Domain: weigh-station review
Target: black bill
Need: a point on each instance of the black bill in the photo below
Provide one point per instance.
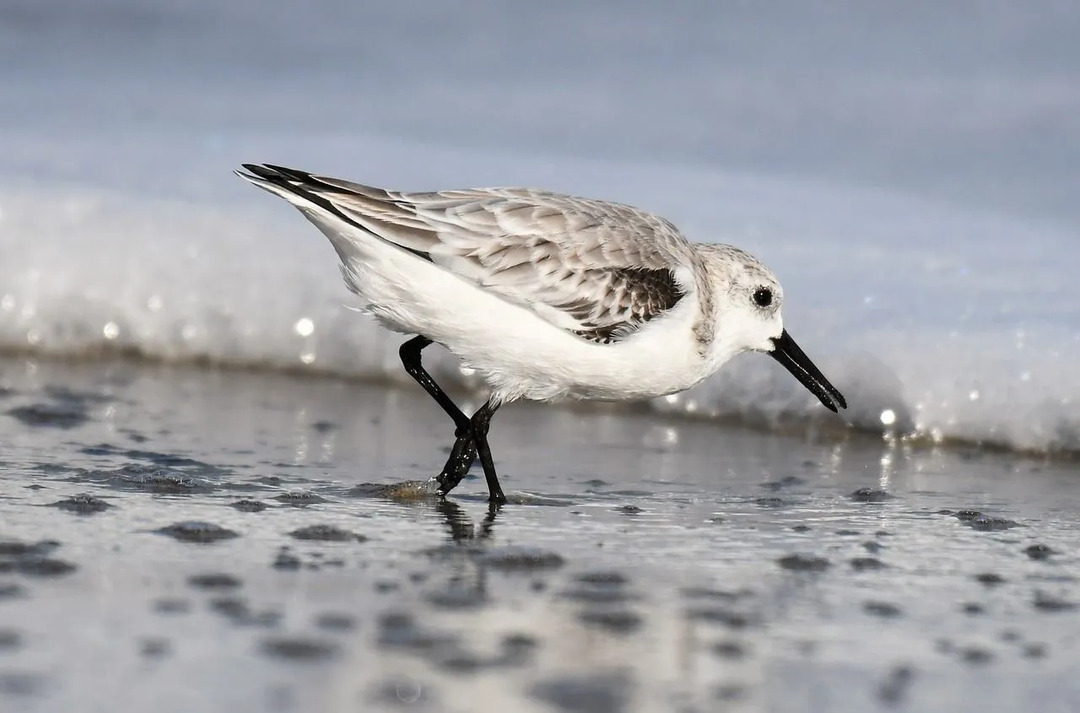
(787, 352)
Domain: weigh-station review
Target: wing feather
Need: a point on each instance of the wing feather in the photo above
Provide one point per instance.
(600, 270)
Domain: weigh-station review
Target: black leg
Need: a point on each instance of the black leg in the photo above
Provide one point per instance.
(410, 359)
(462, 456)
(463, 453)
(481, 421)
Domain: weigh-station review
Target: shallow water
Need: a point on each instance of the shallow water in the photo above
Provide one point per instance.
(643, 564)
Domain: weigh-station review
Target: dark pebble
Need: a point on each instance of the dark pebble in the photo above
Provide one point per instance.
(326, 533)
(866, 564)
(989, 579)
(985, 523)
(785, 482)
(616, 622)
(172, 606)
(231, 607)
(214, 581)
(604, 579)
(607, 693)
(630, 510)
(976, 655)
(151, 479)
(521, 559)
(718, 615)
(708, 593)
(43, 567)
(299, 649)
(772, 502)
(456, 598)
(82, 505)
(300, 499)
(249, 505)
(973, 608)
(238, 612)
(884, 610)
(199, 532)
(598, 595)
(872, 547)
(15, 548)
(870, 495)
(154, 648)
(847, 533)
(461, 662)
(1038, 552)
(800, 528)
(332, 621)
(517, 647)
(1046, 603)
(803, 563)
(286, 560)
(63, 415)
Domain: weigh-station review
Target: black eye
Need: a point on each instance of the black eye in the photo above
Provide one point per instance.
(763, 297)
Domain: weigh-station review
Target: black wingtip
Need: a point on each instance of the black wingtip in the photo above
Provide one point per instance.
(293, 174)
(265, 172)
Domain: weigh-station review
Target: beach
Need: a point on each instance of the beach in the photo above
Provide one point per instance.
(214, 472)
(205, 539)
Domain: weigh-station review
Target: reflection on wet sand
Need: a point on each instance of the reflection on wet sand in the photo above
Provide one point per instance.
(460, 524)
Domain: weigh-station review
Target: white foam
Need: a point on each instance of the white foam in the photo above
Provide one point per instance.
(957, 336)
(938, 301)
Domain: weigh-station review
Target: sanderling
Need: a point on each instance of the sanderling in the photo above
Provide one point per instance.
(546, 296)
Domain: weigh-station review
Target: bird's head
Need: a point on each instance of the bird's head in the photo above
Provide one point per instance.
(747, 307)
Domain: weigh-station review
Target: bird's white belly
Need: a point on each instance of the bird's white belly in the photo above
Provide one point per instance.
(517, 352)
(644, 365)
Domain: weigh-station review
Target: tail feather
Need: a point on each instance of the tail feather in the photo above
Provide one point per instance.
(309, 192)
(290, 184)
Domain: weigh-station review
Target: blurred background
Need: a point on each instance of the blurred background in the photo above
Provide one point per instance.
(975, 103)
(909, 169)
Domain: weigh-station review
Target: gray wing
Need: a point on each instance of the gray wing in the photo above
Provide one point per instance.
(600, 270)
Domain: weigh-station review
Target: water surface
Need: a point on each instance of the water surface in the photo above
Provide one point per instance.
(183, 539)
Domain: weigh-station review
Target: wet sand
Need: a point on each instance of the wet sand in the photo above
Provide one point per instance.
(175, 539)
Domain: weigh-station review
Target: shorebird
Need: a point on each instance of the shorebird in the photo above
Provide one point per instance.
(546, 296)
